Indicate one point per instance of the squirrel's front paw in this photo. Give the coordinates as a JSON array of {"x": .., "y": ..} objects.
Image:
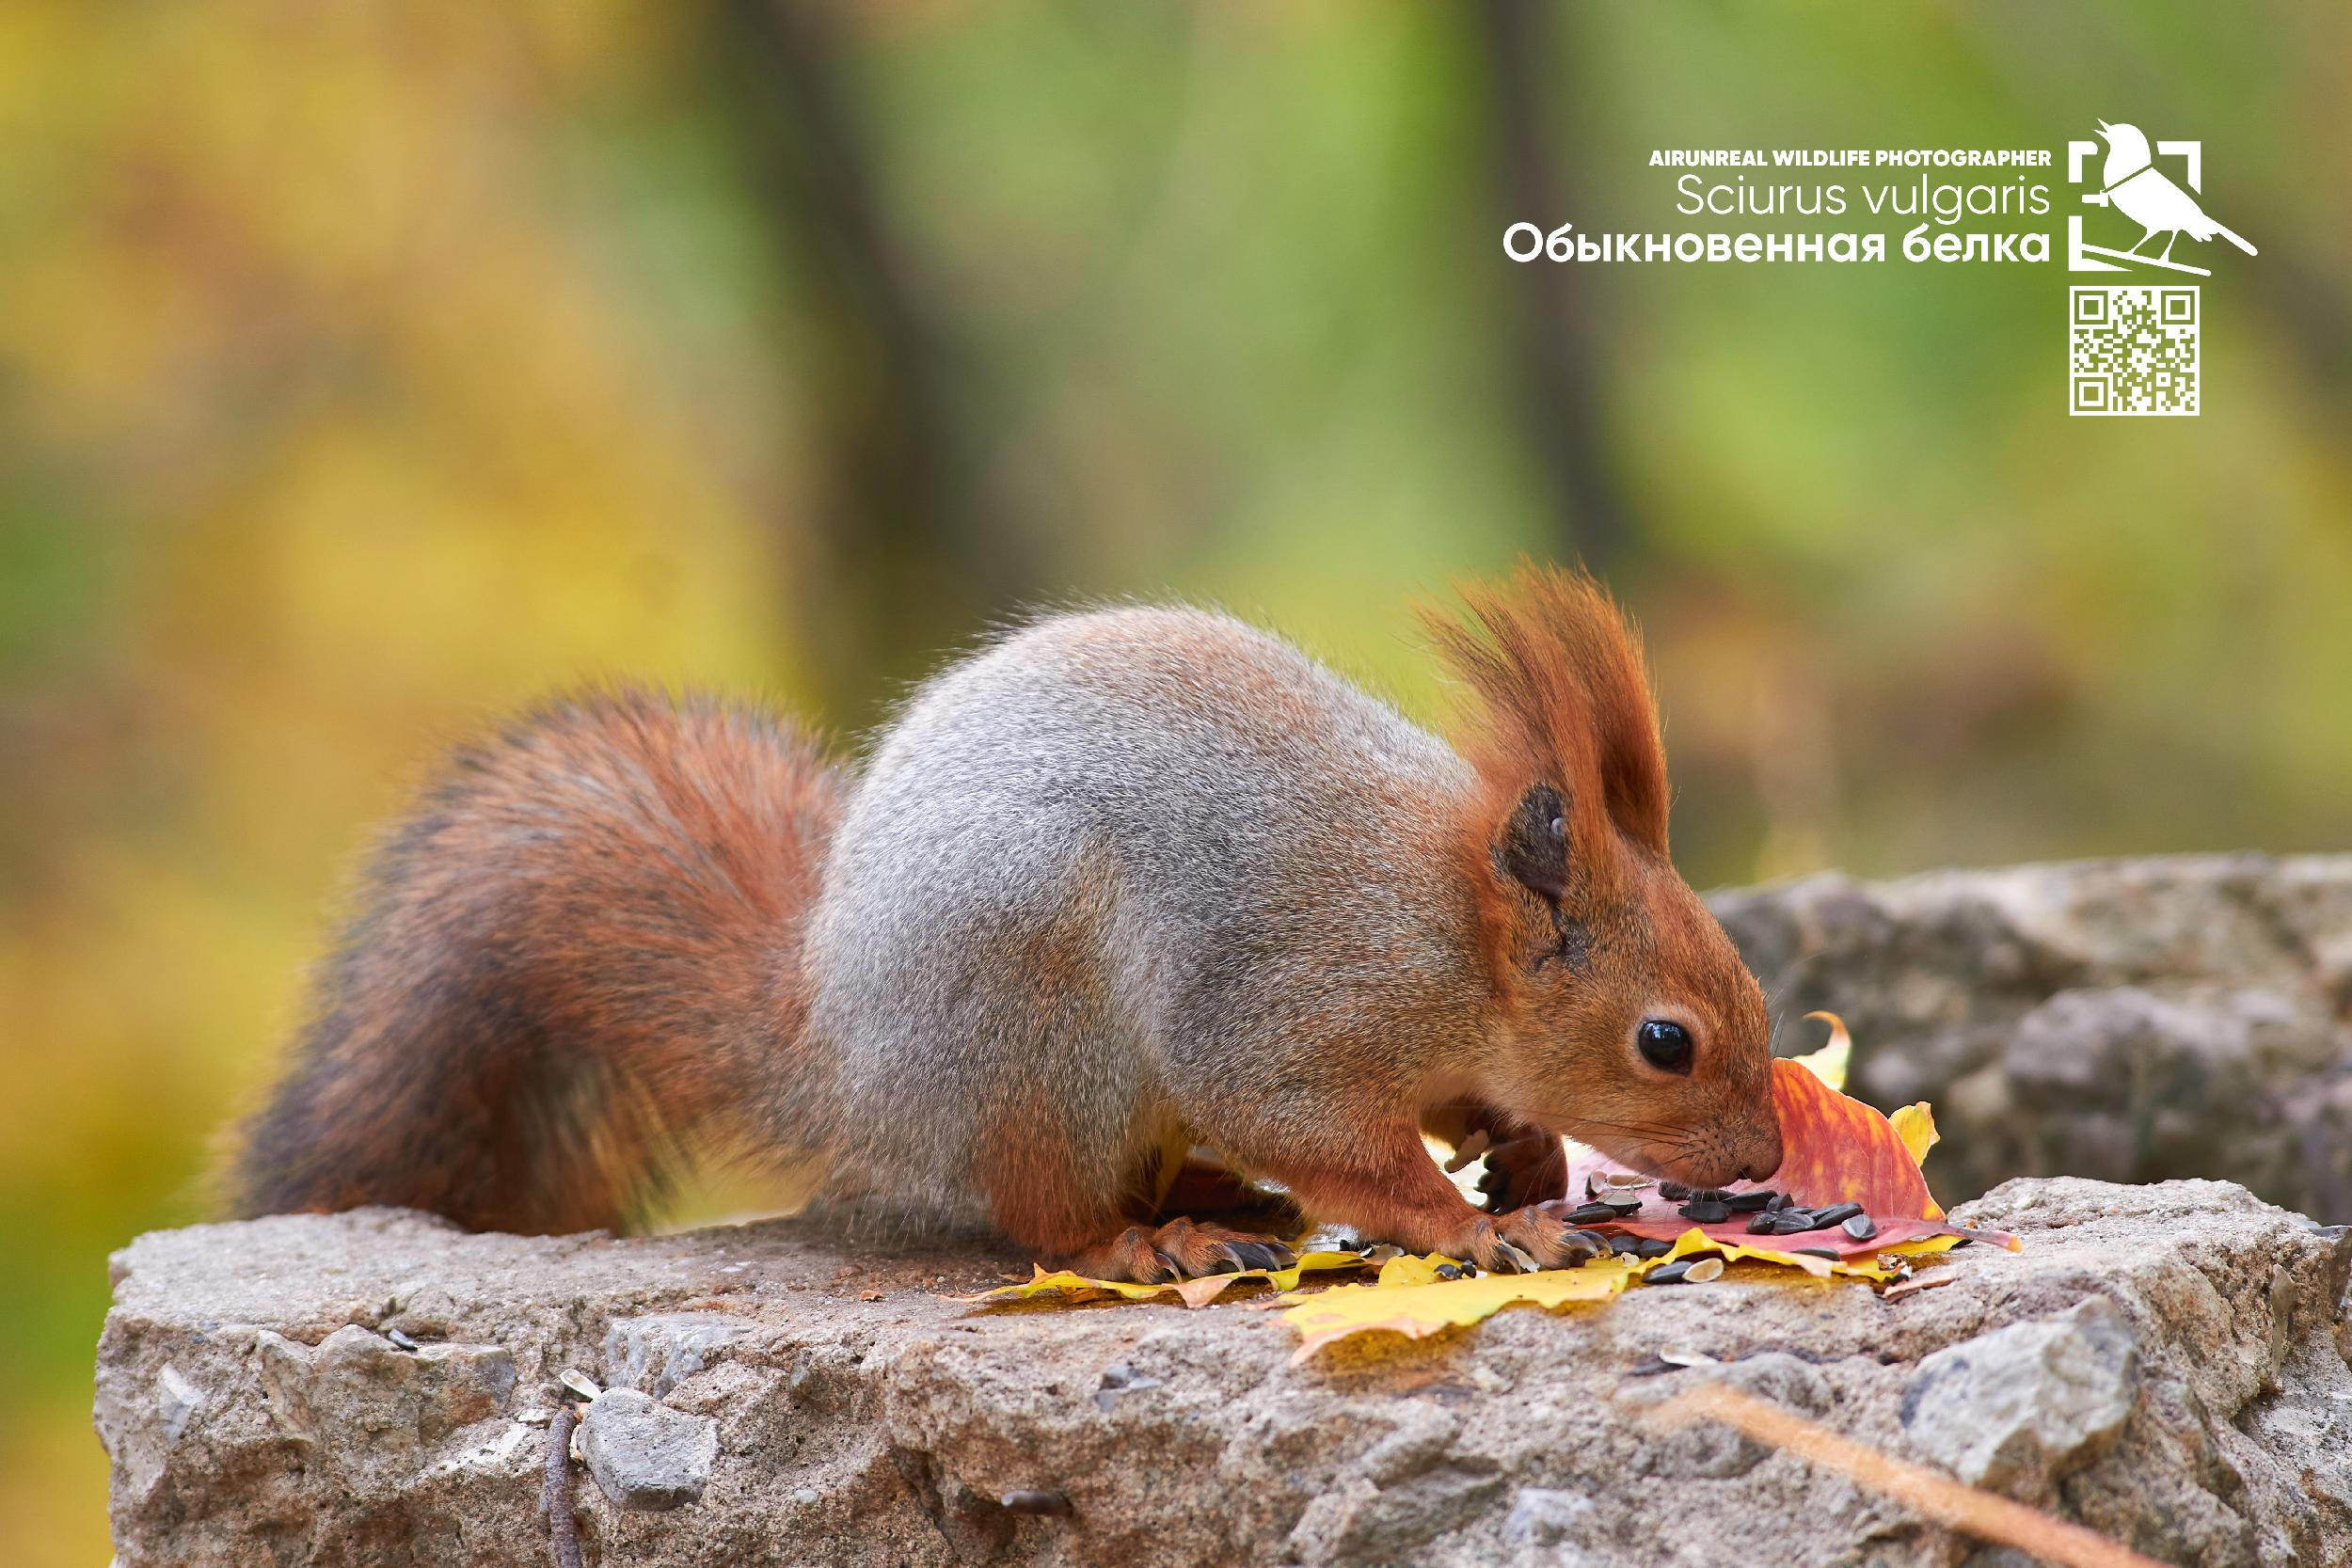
[
  {"x": 1526, "y": 1240},
  {"x": 1529, "y": 1169}
]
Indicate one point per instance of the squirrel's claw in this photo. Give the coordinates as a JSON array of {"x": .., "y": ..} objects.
[
  {"x": 1519, "y": 1260},
  {"x": 1181, "y": 1249},
  {"x": 1527, "y": 1239},
  {"x": 1259, "y": 1255}
]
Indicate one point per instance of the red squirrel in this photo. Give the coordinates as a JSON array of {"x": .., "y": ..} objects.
[{"x": 1119, "y": 885}]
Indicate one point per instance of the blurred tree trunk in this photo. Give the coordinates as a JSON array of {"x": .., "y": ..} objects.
[
  {"x": 1550, "y": 333},
  {"x": 911, "y": 553}
]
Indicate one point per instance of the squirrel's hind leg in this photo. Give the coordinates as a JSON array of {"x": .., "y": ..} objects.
[
  {"x": 1070, "y": 1212},
  {"x": 1180, "y": 1249},
  {"x": 1208, "y": 1189}
]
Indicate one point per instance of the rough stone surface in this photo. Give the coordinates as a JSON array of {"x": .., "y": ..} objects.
[
  {"x": 256, "y": 1410},
  {"x": 654, "y": 1353},
  {"x": 2023, "y": 1406},
  {"x": 2130, "y": 1019},
  {"x": 645, "y": 1454}
]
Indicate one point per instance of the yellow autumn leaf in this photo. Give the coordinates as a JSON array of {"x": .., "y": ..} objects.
[
  {"x": 1695, "y": 1239},
  {"x": 1409, "y": 1270},
  {"x": 1829, "y": 1064},
  {"x": 1409, "y": 1299},
  {"x": 1916, "y": 1125},
  {"x": 1197, "y": 1292}
]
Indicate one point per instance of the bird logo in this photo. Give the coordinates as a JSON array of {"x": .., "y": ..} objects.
[{"x": 2131, "y": 182}]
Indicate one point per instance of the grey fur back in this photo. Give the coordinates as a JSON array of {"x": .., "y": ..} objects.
[{"x": 1126, "y": 868}]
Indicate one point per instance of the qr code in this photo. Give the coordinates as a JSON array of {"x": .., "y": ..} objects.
[{"x": 2131, "y": 351}]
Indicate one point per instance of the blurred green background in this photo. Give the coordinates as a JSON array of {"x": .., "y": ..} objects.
[{"x": 367, "y": 369}]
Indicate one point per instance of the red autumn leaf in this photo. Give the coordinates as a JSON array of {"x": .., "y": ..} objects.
[{"x": 1836, "y": 1150}]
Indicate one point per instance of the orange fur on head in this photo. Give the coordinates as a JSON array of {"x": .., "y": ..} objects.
[
  {"x": 1590, "y": 933},
  {"x": 1564, "y": 698}
]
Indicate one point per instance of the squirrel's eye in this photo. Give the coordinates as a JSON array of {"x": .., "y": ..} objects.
[{"x": 1665, "y": 1045}]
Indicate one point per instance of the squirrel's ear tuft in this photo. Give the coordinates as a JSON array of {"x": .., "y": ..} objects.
[
  {"x": 1562, "y": 694},
  {"x": 1533, "y": 847}
]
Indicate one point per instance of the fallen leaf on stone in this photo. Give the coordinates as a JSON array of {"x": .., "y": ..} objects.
[
  {"x": 1408, "y": 1298},
  {"x": 1192, "y": 1293},
  {"x": 1836, "y": 1150},
  {"x": 1862, "y": 1264}
]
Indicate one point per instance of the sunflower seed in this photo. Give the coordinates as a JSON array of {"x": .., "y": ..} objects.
[
  {"x": 1705, "y": 1211},
  {"x": 1749, "y": 1203},
  {"x": 1829, "y": 1252},
  {"x": 1654, "y": 1247},
  {"x": 1673, "y": 1192},
  {"x": 1705, "y": 1269},
  {"x": 1625, "y": 1246},
  {"x": 1448, "y": 1270},
  {"x": 1667, "y": 1274},
  {"x": 1759, "y": 1225},
  {"x": 1836, "y": 1213},
  {"x": 1859, "y": 1226},
  {"x": 1780, "y": 1201},
  {"x": 1591, "y": 1214}
]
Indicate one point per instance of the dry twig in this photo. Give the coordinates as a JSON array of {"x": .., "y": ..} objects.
[
  {"x": 562, "y": 1529},
  {"x": 1948, "y": 1502}
]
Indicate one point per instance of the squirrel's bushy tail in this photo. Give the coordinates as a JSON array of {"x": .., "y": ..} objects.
[{"x": 569, "y": 965}]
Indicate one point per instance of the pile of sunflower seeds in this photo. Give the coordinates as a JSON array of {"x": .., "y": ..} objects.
[
  {"x": 1848, "y": 1217},
  {"x": 1769, "y": 1213}
]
